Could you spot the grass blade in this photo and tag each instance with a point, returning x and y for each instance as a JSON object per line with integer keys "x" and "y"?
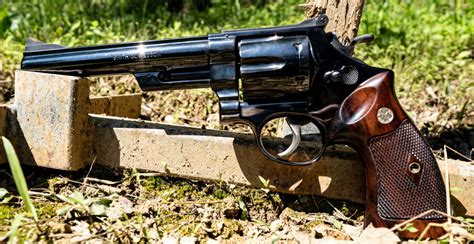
{"x": 12, "y": 237}
{"x": 18, "y": 177}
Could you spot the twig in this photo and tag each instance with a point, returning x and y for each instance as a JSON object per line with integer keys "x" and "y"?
{"x": 87, "y": 175}
{"x": 448, "y": 195}
{"x": 448, "y": 228}
{"x": 96, "y": 187}
{"x": 306, "y": 5}
{"x": 458, "y": 153}
{"x": 106, "y": 182}
{"x": 197, "y": 202}
{"x": 397, "y": 226}
{"x": 62, "y": 235}
{"x": 3, "y": 238}
{"x": 341, "y": 215}
{"x": 39, "y": 193}
{"x": 150, "y": 174}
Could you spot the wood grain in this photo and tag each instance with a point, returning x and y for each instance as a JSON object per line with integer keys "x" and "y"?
{"x": 388, "y": 149}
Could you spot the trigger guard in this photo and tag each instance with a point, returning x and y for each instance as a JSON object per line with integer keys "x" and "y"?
{"x": 320, "y": 124}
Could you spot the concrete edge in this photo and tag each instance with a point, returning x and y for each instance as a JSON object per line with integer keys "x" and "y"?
{"x": 213, "y": 155}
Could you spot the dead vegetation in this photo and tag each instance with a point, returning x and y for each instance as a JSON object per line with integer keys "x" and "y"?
{"x": 103, "y": 204}
{"x": 132, "y": 206}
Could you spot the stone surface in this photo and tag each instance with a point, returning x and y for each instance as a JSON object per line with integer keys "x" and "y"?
{"x": 127, "y": 106}
{"x": 51, "y": 127}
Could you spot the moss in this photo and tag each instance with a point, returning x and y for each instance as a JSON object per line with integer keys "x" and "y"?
{"x": 7, "y": 212}
{"x": 47, "y": 210}
{"x": 178, "y": 189}
{"x": 184, "y": 191}
{"x": 153, "y": 183}
{"x": 220, "y": 193}
{"x": 345, "y": 209}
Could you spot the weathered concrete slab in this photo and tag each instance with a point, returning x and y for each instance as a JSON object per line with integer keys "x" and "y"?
{"x": 128, "y": 106}
{"x": 215, "y": 155}
{"x": 51, "y": 127}
{"x": 3, "y": 127}
{"x": 461, "y": 178}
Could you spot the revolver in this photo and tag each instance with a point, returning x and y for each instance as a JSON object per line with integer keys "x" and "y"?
{"x": 299, "y": 89}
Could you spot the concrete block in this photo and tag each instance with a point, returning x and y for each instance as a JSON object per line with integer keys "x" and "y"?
{"x": 461, "y": 179}
{"x": 3, "y": 127}
{"x": 128, "y": 106}
{"x": 216, "y": 155}
{"x": 213, "y": 155}
{"x": 51, "y": 127}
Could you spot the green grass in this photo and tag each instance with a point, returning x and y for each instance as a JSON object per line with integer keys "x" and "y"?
{"x": 422, "y": 41}
{"x": 426, "y": 43}
{"x": 429, "y": 41}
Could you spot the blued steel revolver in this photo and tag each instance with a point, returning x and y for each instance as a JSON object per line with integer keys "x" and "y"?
{"x": 299, "y": 89}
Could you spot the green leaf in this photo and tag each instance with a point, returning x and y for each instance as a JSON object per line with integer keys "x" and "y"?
{"x": 243, "y": 207}
{"x": 100, "y": 206}
{"x": 409, "y": 227}
{"x": 98, "y": 209}
{"x": 19, "y": 177}
{"x": 336, "y": 223}
{"x": 466, "y": 220}
{"x": 3, "y": 193}
{"x": 75, "y": 26}
{"x": 265, "y": 182}
{"x": 76, "y": 197}
{"x": 464, "y": 54}
{"x": 444, "y": 241}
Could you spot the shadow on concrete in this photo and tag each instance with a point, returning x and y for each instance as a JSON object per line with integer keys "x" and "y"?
{"x": 339, "y": 174}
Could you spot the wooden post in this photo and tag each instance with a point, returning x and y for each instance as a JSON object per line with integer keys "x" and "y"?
{"x": 344, "y": 16}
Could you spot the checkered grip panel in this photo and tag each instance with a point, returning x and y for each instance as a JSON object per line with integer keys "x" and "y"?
{"x": 399, "y": 196}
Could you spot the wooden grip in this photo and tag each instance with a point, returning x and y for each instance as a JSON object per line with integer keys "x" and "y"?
{"x": 402, "y": 176}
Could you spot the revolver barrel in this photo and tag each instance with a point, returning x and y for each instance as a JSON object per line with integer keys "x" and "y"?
{"x": 117, "y": 58}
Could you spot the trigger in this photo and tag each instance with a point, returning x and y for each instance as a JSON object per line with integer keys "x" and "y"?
{"x": 296, "y": 139}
